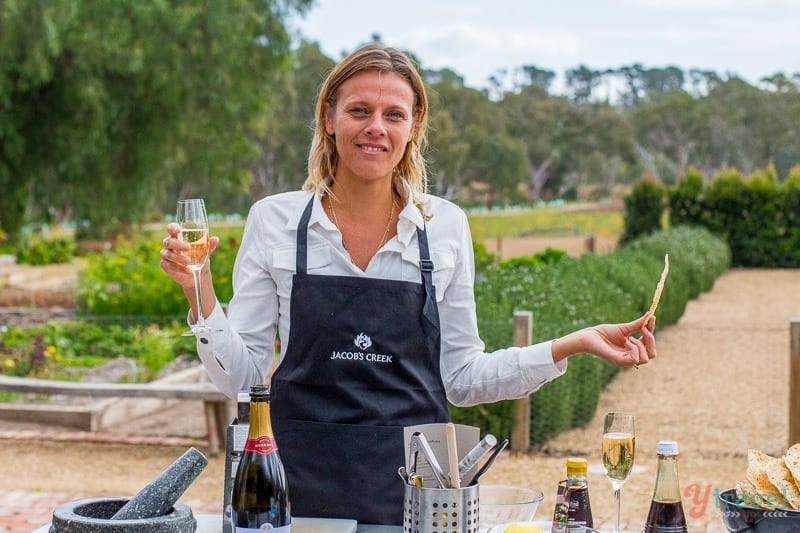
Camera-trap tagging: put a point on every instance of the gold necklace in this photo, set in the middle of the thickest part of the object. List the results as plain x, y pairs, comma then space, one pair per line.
385, 232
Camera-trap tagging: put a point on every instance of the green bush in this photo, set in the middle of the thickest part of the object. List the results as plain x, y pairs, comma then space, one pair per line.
40, 251
757, 216
644, 208
130, 281
579, 292
43, 350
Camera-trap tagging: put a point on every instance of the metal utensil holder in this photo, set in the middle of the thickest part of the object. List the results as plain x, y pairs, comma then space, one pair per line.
429, 510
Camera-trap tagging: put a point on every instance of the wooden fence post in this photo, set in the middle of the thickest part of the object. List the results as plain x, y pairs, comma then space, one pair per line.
794, 381
589, 244
521, 430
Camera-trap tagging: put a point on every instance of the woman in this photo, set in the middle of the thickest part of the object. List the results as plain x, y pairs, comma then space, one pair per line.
371, 282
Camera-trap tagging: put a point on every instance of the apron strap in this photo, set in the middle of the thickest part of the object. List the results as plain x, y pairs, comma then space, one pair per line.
429, 310
302, 239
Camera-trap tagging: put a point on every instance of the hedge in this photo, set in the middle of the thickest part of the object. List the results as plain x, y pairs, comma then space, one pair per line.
758, 216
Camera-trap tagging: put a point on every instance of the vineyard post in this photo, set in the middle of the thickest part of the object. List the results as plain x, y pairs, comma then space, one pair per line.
521, 429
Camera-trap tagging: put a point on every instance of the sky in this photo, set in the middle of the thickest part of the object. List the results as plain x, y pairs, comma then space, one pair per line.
476, 38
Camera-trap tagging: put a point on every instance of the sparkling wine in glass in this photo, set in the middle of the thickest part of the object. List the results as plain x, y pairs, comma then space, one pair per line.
619, 444
194, 230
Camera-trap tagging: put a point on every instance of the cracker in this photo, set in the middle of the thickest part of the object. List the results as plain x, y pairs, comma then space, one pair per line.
659, 288
748, 494
792, 460
757, 462
780, 476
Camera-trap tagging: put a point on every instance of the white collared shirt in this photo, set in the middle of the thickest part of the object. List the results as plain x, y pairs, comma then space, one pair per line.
242, 353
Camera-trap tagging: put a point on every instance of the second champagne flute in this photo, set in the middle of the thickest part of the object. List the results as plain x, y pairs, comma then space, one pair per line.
618, 450
192, 218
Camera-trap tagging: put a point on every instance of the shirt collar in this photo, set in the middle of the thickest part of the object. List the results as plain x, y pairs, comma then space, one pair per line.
410, 217
317, 214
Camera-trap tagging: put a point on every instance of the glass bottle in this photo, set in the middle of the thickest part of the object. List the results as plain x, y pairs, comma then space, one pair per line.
573, 510
580, 508
260, 498
666, 509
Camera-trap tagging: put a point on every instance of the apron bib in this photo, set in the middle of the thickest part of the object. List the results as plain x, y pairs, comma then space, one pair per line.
362, 362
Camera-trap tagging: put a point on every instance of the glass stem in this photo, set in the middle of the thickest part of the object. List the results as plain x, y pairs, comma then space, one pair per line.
617, 489
201, 320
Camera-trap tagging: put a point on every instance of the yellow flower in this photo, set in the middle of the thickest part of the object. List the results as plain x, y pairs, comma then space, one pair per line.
50, 351
58, 357
10, 363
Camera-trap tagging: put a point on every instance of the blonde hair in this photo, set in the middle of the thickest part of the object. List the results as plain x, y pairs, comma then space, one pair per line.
410, 173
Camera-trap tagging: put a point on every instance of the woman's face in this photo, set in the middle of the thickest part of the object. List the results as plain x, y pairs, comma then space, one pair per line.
372, 121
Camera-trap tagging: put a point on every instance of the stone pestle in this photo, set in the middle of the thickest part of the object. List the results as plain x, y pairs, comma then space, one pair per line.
159, 496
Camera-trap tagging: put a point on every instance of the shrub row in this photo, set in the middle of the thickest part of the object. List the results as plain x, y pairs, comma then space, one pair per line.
759, 217
578, 292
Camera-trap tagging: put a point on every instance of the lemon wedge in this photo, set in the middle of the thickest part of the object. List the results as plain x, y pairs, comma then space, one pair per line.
522, 527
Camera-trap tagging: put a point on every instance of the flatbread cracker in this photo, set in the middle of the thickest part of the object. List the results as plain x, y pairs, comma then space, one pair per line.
781, 477
757, 462
748, 494
792, 460
659, 288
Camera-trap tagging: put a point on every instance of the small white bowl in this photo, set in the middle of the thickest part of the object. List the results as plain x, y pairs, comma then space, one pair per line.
506, 504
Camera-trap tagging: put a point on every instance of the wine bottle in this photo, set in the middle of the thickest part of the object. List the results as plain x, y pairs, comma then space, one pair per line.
260, 498
666, 509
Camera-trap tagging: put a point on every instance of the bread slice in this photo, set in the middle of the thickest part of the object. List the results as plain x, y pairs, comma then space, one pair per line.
780, 476
792, 460
748, 495
757, 462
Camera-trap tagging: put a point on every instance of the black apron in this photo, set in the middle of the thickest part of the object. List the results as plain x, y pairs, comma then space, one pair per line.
362, 362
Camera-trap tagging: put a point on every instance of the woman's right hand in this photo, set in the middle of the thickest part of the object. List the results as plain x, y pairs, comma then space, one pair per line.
174, 262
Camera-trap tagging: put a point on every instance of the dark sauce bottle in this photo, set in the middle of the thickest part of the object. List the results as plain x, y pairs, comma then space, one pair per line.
574, 510
666, 508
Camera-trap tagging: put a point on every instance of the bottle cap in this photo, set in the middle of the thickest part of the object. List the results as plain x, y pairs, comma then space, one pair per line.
577, 466
259, 391
667, 447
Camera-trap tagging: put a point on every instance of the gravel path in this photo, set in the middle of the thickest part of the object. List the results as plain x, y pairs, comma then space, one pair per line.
719, 386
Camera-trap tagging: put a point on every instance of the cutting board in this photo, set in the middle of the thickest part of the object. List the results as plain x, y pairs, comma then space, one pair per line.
323, 525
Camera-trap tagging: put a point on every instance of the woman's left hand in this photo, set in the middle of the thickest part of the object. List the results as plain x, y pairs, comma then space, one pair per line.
615, 343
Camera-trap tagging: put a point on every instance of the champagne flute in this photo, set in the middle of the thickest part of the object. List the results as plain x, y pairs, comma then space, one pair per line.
194, 230
618, 449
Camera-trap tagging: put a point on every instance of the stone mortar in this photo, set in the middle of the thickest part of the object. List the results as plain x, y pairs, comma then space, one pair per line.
93, 515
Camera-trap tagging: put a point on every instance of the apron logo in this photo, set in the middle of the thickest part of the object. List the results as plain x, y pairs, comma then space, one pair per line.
362, 341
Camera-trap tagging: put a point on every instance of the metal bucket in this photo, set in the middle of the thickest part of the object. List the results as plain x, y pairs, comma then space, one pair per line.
429, 510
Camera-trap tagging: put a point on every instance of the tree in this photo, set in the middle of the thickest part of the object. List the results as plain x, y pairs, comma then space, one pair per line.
288, 126
674, 131
500, 163
582, 81
111, 109
647, 84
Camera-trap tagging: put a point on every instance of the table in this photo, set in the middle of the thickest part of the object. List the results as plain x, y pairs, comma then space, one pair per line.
211, 523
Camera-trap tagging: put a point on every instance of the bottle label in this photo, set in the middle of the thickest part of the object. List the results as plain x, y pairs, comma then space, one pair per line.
561, 511
265, 527
263, 446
